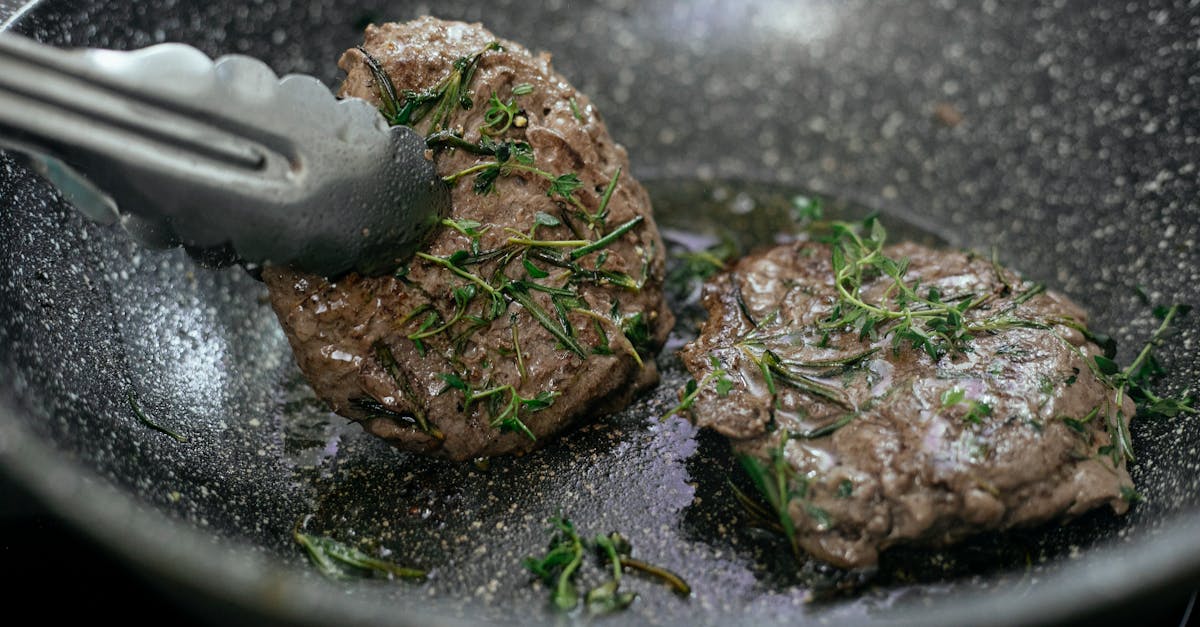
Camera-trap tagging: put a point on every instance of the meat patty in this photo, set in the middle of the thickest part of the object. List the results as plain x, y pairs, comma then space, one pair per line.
537, 303
887, 431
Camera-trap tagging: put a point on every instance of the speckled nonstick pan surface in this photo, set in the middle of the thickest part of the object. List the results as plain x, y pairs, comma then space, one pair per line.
1076, 153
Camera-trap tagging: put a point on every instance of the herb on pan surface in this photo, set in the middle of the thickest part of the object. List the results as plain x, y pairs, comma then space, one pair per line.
340, 561
560, 568
1134, 381
141, 416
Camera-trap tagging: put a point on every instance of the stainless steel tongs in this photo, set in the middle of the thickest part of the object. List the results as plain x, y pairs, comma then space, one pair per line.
213, 155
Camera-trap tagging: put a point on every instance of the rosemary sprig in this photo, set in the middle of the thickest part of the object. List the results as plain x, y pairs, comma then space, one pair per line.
411, 107
779, 485
339, 561
387, 360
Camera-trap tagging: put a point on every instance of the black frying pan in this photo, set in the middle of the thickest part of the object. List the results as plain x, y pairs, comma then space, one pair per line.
1067, 135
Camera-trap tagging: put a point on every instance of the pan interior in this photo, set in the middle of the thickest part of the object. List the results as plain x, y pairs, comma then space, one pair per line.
92, 324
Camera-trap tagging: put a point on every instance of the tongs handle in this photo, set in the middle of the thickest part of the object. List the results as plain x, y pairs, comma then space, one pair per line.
222, 153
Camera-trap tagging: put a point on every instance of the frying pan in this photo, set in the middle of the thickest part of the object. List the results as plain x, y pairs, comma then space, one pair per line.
1065, 133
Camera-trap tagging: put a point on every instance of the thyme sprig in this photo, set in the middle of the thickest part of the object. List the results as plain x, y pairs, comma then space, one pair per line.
503, 115
560, 566
510, 157
923, 317
692, 388
1134, 380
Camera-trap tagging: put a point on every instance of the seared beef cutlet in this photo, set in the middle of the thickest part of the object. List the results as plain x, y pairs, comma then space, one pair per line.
538, 303
889, 430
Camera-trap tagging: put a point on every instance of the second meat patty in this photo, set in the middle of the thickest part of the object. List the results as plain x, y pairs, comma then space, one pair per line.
882, 395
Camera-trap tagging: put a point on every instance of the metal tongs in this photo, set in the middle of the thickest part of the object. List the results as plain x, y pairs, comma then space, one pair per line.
220, 156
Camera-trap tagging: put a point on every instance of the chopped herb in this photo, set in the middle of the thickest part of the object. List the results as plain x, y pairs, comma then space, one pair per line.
141, 416
575, 109
976, 410
339, 561
845, 489
560, 565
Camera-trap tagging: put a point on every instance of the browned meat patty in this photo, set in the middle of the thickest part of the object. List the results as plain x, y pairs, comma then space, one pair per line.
886, 433
538, 302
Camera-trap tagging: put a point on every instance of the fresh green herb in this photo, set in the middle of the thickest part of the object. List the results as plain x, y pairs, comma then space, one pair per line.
410, 107
693, 267
564, 557
780, 486
141, 416
339, 561
603, 242
807, 210
1079, 425
500, 115
575, 109
1135, 379
922, 317
1146, 368
1131, 495
557, 568
505, 405
636, 329
519, 291
692, 390
976, 410
845, 489
509, 157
